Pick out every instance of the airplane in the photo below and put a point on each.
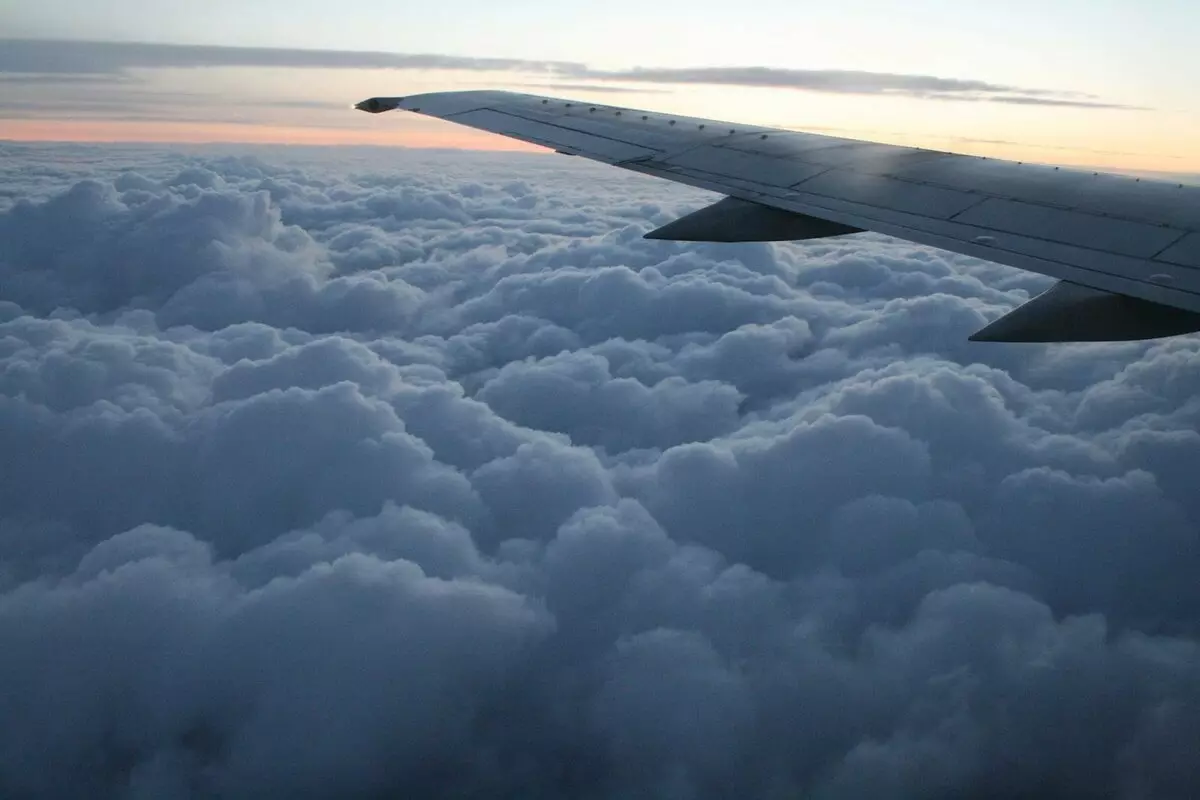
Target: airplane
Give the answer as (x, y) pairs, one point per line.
(1125, 250)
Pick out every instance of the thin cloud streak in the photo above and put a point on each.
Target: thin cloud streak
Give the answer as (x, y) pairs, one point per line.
(62, 57)
(1050, 101)
(155, 106)
(926, 87)
(593, 87)
(65, 79)
(53, 56)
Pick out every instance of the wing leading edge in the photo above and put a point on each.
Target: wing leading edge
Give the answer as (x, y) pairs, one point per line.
(1101, 235)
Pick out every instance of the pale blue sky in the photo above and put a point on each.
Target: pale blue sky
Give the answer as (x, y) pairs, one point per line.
(1117, 51)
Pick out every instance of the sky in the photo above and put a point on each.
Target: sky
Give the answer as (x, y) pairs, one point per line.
(383, 464)
(362, 472)
(1107, 83)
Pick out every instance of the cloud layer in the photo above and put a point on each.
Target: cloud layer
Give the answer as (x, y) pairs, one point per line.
(397, 473)
(858, 82)
(43, 61)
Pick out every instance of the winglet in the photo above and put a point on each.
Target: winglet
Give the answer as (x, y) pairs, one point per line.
(376, 105)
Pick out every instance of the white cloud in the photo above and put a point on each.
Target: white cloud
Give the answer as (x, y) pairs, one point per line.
(419, 473)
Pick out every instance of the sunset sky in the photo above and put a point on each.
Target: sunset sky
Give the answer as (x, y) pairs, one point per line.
(1105, 82)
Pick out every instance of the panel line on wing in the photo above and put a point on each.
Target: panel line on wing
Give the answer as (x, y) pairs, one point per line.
(452, 118)
(981, 200)
(1182, 235)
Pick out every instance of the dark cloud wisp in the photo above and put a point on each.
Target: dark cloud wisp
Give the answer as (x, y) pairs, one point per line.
(69, 57)
(79, 57)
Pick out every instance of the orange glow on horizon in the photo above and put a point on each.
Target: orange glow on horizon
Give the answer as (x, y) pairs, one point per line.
(114, 131)
(447, 136)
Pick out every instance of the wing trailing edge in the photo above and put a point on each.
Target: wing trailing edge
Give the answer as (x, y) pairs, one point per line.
(1069, 312)
(735, 220)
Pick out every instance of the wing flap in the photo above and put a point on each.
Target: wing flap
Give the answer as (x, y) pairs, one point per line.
(890, 193)
(1137, 239)
(557, 137)
(1118, 196)
(749, 167)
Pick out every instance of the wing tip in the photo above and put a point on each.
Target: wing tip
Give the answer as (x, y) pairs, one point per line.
(377, 105)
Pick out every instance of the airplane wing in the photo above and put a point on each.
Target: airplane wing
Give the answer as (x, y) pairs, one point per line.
(1126, 250)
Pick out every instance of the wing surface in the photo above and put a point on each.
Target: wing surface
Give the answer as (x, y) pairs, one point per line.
(1130, 236)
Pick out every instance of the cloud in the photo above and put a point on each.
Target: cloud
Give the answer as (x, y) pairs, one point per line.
(974, 140)
(1054, 101)
(51, 56)
(46, 60)
(380, 472)
(40, 79)
(596, 87)
(855, 82)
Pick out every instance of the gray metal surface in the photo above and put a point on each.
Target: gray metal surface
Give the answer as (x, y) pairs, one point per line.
(733, 220)
(1131, 236)
(1070, 313)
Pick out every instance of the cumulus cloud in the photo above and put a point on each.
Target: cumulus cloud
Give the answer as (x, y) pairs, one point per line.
(403, 473)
